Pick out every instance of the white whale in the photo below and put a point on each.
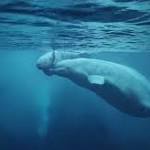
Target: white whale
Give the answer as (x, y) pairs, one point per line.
(122, 87)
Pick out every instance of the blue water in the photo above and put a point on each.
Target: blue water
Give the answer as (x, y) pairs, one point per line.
(38, 112)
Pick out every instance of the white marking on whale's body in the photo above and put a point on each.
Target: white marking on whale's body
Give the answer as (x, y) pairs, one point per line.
(121, 86)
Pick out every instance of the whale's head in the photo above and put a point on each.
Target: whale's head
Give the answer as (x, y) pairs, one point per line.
(46, 61)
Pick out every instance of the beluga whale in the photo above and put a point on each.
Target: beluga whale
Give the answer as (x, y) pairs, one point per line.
(121, 86)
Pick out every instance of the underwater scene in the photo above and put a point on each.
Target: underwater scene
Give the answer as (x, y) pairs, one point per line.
(75, 74)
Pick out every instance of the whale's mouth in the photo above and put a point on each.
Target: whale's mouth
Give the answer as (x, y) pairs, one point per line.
(48, 72)
(38, 65)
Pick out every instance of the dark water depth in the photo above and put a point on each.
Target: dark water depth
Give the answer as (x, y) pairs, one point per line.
(38, 112)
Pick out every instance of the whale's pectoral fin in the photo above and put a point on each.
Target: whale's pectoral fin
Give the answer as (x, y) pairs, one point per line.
(96, 79)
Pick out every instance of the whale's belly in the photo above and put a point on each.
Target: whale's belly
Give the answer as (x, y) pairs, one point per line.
(128, 94)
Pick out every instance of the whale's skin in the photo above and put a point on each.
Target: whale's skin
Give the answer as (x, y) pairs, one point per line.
(123, 87)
